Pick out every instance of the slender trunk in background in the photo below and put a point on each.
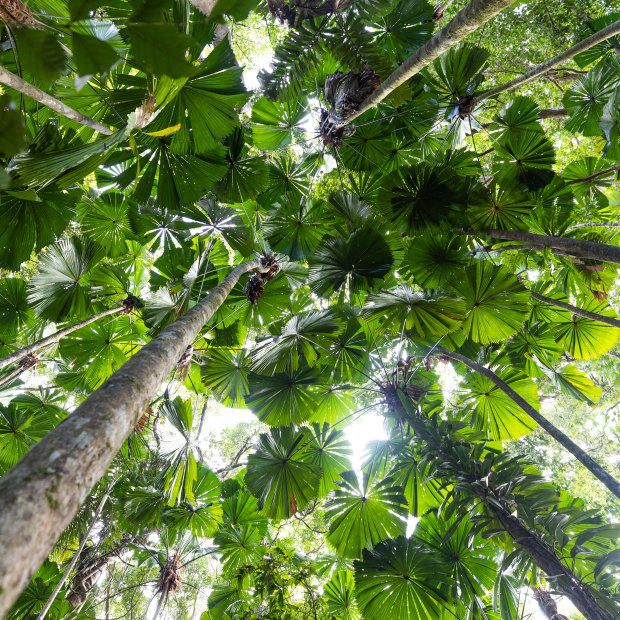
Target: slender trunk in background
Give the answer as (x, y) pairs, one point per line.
(581, 455)
(76, 557)
(42, 493)
(578, 311)
(23, 87)
(466, 21)
(55, 337)
(547, 604)
(591, 41)
(579, 248)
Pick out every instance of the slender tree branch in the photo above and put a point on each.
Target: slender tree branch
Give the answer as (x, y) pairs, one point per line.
(596, 175)
(594, 225)
(576, 310)
(543, 68)
(21, 86)
(581, 455)
(77, 554)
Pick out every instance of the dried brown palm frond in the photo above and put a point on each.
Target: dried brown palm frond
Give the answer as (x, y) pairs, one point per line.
(345, 93)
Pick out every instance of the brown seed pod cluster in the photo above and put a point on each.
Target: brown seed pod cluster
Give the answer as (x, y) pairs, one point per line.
(255, 286)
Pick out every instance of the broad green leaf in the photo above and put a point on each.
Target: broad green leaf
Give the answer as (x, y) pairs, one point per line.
(496, 302)
(340, 594)
(240, 546)
(432, 259)
(405, 310)
(364, 512)
(226, 374)
(576, 383)
(58, 290)
(495, 412)
(277, 474)
(584, 338)
(329, 450)
(360, 261)
(401, 579)
(282, 399)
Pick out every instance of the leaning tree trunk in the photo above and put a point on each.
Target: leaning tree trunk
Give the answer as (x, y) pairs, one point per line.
(466, 21)
(579, 248)
(10, 79)
(576, 310)
(539, 70)
(17, 356)
(581, 455)
(42, 493)
(546, 559)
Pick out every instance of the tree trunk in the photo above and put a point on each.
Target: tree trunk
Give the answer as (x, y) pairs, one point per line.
(17, 356)
(468, 20)
(581, 455)
(42, 493)
(547, 604)
(21, 86)
(578, 248)
(545, 558)
(578, 311)
(75, 558)
(552, 113)
(539, 70)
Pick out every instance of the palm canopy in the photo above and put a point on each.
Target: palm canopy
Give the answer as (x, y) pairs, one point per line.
(137, 168)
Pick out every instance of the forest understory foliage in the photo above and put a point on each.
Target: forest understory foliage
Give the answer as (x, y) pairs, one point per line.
(309, 309)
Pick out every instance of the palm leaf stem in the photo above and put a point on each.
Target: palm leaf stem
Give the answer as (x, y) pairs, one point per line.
(16, 356)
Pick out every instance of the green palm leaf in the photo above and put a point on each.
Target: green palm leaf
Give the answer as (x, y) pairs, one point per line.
(404, 309)
(205, 517)
(295, 229)
(275, 122)
(496, 302)
(363, 513)
(339, 592)
(302, 337)
(495, 412)
(329, 450)
(360, 260)
(469, 558)
(241, 509)
(286, 398)
(401, 579)
(15, 312)
(585, 338)
(240, 546)
(226, 374)
(277, 474)
(432, 259)
(58, 290)
(31, 221)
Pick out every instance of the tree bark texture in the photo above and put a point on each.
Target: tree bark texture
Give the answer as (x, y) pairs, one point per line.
(594, 225)
(579, 248)
(581, 455)
(545, 558)
(576, 310)
(20, 85)
(16, 356)
(42, 493)
(466, 21)
(543, 68)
